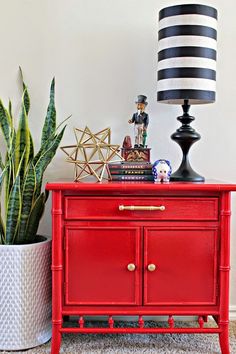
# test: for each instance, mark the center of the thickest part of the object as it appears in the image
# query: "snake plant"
(22, 170)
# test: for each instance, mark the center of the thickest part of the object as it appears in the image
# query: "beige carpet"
(139, 343)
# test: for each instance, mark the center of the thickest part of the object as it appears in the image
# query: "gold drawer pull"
(141, 207)
(131, 267)
(151, 267)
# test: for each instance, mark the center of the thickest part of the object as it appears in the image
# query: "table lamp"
(187, 70)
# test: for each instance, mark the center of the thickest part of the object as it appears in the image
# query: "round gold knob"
(131, 267)
(151, 267)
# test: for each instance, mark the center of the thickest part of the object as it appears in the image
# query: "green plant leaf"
(44, 148)
(50, 120)
(9, 161)
(63, 122)
(46, 195)
(13, 211)
(2, 225)
(22, 140)
(9, 174)
(5, 124)
(48, 143)
(2, 166)
(13, 141)
(2, 175)
(2, 229)
(26, 93)
(10, 116)
(23, 172)
(8, 179)
(34, 219)
(14, 204)
(45, 159)
(31, 153)
(28, 191)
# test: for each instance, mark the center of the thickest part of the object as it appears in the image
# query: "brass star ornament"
(92, 154)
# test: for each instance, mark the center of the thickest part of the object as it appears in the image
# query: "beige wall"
(103, 54)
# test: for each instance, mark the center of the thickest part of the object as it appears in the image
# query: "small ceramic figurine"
(140, 120)
(161, 170)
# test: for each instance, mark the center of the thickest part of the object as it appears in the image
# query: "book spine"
(131, 166)
(132, 178)
(130, 172)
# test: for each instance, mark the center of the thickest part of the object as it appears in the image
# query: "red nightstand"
(141, 249)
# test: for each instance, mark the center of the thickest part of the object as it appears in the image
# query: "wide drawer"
(148, 208)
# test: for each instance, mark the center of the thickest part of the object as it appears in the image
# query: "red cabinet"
(140, 249)
(185, 261)
(96, 265)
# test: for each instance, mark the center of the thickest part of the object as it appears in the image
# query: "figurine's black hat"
(142, 99)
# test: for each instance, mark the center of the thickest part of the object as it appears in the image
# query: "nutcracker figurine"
(140, 120)
(139, 152)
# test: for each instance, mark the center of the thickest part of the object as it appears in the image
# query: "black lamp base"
(186, 136)
(186, 175)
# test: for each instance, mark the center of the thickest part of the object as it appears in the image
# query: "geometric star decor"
(92, 153)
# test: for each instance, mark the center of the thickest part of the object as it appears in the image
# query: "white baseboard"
(232, 312)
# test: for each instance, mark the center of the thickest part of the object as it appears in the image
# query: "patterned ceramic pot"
(25, 295)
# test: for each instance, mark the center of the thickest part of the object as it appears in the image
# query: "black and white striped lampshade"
(187, 54)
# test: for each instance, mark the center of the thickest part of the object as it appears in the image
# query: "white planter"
(25, 295)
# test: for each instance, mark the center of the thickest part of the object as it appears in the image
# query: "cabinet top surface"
(208, 185)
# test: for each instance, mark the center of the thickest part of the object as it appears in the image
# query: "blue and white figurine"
(161, 170)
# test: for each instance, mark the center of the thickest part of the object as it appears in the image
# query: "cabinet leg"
(224, 340)
(56, 339)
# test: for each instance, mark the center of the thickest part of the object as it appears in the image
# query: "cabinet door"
(186, 264)
(96, 265)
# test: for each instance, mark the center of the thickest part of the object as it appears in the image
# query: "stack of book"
(131, 171)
